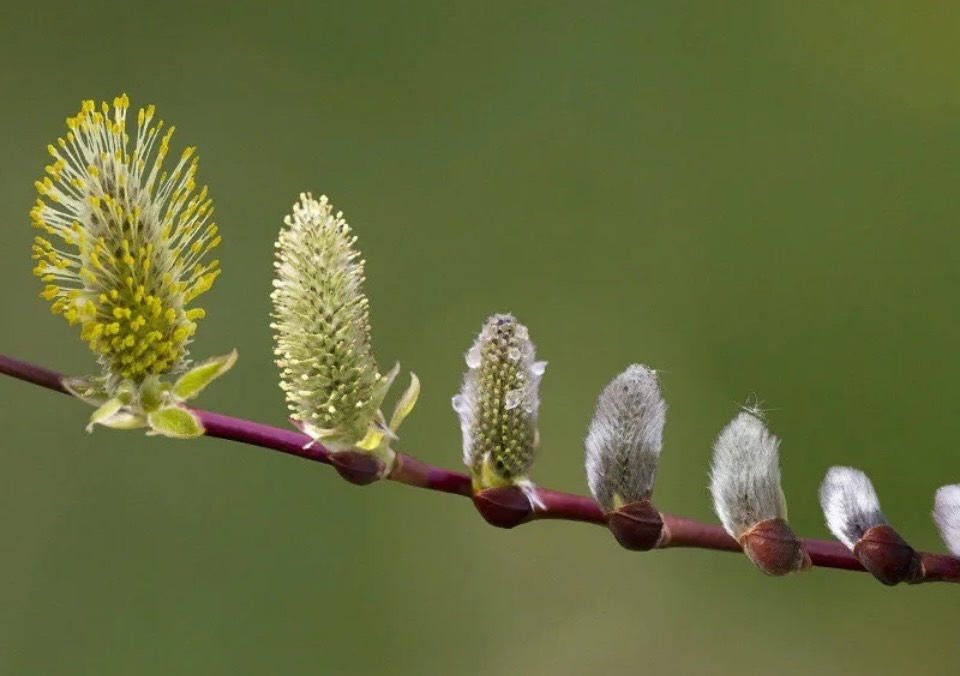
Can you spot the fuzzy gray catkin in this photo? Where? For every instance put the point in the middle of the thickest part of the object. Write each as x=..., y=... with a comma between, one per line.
x=625, y=438
x=745, y=476
x=850, y=504
x=946, y=512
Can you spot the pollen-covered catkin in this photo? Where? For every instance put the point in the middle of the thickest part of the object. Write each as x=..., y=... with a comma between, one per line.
x=125, y=241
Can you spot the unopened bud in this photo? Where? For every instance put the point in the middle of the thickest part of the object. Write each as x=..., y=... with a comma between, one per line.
x=745, y=484
x=852, y=510
x=625, y=438
x=850, y=504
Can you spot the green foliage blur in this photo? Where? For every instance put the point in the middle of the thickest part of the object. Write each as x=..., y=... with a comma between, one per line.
x=753, y=197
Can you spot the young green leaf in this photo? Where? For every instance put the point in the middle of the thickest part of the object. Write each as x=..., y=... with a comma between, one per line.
x=88, y=389
x=192, y=383
x=113, y=415
x=175, y=422
x=406, y=403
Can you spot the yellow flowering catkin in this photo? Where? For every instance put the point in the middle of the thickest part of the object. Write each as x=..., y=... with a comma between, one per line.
x=125, y=241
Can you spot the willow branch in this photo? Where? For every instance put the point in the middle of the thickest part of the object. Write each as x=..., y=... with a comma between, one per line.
x=678, y=531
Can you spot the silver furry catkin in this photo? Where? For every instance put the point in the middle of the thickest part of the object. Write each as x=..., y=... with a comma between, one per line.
x=852, y=510
x=946, y=512
x=625, y=438
x=850, y=504
x=745, y=476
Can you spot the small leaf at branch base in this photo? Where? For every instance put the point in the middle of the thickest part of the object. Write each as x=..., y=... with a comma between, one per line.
x=112, y=414
x=175, y=422
x=191, y=383
x=87, y=389
x=406, y=403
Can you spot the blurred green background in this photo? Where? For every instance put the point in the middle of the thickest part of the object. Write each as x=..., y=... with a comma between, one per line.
x=753, y=197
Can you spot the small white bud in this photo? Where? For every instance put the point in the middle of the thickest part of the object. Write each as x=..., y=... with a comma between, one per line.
x=745, y=476
x=625, y=438
x=946, y=512
x=850, y=504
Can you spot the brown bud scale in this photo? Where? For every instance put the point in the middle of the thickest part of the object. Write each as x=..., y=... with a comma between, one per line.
x=358, y=467
x=636, y=525
x=503, y=506
x=774, y=549
x=887, y=556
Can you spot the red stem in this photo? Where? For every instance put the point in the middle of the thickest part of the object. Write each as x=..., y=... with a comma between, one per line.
x=679, y=531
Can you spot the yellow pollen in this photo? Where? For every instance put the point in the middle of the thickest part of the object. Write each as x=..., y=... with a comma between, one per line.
x=112, y=256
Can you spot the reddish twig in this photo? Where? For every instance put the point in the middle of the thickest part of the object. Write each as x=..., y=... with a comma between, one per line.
x=677, y=531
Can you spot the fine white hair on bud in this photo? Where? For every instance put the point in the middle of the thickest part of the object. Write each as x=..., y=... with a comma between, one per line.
x=946, y=512
x=745, y=476
x=850, y=504
x=625, y=438
x=498, y=404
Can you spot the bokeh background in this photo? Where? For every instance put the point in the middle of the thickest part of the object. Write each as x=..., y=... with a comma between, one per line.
x=753, y=197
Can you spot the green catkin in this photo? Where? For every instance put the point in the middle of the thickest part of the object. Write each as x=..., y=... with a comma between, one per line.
x=498, y=404
x=322, y=328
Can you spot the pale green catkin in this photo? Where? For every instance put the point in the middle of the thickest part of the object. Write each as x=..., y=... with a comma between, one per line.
x=322, y=329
